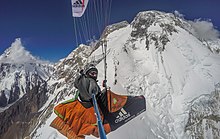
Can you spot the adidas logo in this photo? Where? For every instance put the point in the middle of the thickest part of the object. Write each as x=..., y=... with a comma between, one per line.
x=78, y=3
x=122, y=115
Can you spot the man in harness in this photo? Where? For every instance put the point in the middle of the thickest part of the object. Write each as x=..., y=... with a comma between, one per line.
x=77, y=118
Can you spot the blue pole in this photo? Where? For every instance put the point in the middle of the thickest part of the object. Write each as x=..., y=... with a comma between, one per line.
x=99, y=121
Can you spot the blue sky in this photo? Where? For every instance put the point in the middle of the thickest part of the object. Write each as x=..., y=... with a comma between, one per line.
x=46, y=26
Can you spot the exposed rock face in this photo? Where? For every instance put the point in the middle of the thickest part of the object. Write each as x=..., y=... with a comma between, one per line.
x=23, y=89
x=15, y=120
x=113, y=27
x=73, y=62
x=68, y=68
x=18, y=79
x=204, y=116
x=167, y=22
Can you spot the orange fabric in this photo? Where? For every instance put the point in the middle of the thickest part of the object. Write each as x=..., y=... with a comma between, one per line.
x=77, y=121
x=115, y=102
x=64, y=129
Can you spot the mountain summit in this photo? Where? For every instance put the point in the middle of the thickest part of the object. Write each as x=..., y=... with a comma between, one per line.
x=19, y=73
x=17, y=54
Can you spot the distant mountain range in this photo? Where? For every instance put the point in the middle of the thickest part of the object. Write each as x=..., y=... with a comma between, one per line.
x=158, y=55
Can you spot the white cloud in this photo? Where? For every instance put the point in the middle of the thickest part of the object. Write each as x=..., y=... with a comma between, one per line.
x=178, y=14
x=204, y=30
x=19, y=55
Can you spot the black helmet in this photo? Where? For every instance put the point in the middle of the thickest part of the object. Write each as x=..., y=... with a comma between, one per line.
x=91, y=71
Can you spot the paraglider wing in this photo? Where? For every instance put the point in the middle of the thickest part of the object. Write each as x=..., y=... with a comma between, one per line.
x=79, y=7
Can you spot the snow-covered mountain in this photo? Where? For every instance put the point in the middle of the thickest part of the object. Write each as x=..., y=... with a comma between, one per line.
x=23, y=87
x=20, y=72
x=160, y=56
x=17, y=54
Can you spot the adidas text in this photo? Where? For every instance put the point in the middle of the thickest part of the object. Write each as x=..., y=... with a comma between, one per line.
x=78, y=5
x=121, y=118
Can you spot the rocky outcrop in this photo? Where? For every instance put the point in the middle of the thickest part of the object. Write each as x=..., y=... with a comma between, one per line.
x=164, y=24
x=111, y=28
x=18, y=79
x=15, y=121
x=204, y=116
x=23, y=90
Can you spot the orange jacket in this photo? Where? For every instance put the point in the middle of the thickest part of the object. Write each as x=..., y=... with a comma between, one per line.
x=74, y=120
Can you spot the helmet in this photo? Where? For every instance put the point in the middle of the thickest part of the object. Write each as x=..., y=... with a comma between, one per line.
x=91, y=71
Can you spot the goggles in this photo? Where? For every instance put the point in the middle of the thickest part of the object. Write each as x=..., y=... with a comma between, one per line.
x=93, y=74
